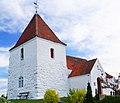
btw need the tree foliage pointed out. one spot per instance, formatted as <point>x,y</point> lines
<point>96,95</point>
<point>51,96</point>
<point>88,97</point>
<point>3,100</point>
<point>76,96</point>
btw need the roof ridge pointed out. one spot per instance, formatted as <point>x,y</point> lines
<point>76,57</point>
<point>36,25</point>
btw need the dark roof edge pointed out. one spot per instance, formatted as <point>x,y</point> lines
<point>78,75</point>
<point>32,38</point>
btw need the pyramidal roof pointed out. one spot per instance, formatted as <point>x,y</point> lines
<point>37,27</point>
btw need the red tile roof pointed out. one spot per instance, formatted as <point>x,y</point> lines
<point>108,75</point>
<point>79,66</point>
<point>37,27</point>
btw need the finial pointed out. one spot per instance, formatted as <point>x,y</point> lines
<point>36,6</point>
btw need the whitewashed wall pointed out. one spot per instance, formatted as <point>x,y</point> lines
<point>107,91</point>
<point>79,82</point>
<point>39,70</point>
<point>96,72</point>
<point>52,73</point>
<point>25,68</point>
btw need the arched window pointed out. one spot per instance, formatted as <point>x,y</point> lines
<point>22,54</point>
<point>52,53</point>
<point>20,81</point>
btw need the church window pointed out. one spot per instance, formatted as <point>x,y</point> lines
<point>52,52</point>
<point>20,82</point>
<point>22,54</point>
<point>111,93</point>
<point>94,84</point>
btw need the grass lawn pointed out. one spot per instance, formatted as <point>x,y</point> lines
<point>108,99</point>
<point>65,99</point>
<point>26,101</point>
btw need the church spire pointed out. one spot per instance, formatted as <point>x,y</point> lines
<point>36,6</point>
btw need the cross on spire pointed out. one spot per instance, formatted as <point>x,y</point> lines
<point>36,6</point>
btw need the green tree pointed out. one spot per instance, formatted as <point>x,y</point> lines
<point>3,96</point>
<point>96,95</point>
<point>88,97</point>
<point>51,96</point>
<point>3,100</point>
<point>76,96</point>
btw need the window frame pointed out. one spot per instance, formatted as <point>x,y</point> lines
<point>21,81</point>
<point>52,53</point>
<point>22,53</point>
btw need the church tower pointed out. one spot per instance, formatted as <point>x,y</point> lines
<point>37,63</point>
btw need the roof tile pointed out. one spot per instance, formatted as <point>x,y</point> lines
<point>37,27</point>
<point>79,66</point>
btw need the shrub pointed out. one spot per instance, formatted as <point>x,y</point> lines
<point>88,97</point>
<point>65,99</point>
<point>110,99</point>
<point>51,96</point>
<point>3,100</point>
<point>96,96</point>
<point>76,96</point>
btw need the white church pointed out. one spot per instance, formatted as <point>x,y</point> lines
<point>38,62</point>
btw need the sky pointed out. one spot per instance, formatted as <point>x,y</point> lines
<point>90,28</point>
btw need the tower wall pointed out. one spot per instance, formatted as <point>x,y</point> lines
<point>39,71</point>
<point>43,66</point>
<point>52,73</point>
<point>25,68</point>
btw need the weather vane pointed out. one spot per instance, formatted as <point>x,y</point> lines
<point>36,6</point>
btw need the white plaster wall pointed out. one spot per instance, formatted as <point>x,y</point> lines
<point>107,91</point>
<point>111,80</point>
<point>79,82</point>
<point>26,68</point>
<point>96,72</point>
<point>52,73</point>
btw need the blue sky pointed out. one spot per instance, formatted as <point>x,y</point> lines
<point>90,28</point>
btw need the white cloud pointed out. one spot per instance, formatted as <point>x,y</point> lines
<point>15,14</point>
<point>91,26</point>
<point>87,25</point>
<point>4,61</point>
<point>3,86</point>
<point>4,57</point>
